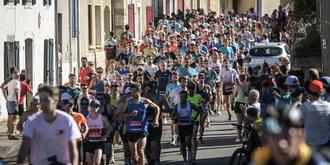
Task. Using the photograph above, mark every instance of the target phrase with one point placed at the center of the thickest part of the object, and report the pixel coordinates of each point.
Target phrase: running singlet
(197, 100)
(84, 72)
(184, 114)
(99, 86)
(138, 123)
(95, 128)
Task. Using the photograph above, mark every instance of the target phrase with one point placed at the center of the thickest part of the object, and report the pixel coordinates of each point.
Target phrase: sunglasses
(99, 72)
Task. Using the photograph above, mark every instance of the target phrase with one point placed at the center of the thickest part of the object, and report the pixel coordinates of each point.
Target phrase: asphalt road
(219, 144)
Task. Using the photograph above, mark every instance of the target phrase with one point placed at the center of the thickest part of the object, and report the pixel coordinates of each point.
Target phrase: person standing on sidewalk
(11, 94)
(51, 135)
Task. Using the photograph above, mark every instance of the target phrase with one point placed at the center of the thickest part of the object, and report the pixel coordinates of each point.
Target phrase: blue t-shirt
(191, 72)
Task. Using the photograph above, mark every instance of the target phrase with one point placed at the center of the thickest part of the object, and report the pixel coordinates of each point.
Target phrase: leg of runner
(227, 105)
(133, 151)
(89, 158)
(219, 101)
(97, 157)
(108, 152)
(194, 143)
(182, 137)
(202, 126)
(141, 144)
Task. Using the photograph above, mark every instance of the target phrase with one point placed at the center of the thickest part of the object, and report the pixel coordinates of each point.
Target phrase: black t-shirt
(163, 79)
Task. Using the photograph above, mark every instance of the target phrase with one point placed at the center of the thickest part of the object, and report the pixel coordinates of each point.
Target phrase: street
(217, 148)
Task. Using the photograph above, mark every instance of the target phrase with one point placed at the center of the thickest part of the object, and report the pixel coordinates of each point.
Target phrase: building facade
(27, 41)
(261, 7)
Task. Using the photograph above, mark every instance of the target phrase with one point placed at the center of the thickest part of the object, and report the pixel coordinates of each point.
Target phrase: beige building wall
(245, 5)
(269, 6)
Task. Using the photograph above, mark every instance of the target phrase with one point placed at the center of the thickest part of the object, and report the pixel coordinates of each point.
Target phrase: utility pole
(325, 35)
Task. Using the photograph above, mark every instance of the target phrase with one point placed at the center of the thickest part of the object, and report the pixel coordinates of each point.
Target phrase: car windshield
(269, 51)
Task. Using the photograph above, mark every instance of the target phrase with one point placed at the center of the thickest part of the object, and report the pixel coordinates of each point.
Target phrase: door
(29, 59)
(106, 22)
(131, 18)
(29, 65)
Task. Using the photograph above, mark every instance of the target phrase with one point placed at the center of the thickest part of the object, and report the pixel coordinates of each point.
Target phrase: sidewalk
(8, 148)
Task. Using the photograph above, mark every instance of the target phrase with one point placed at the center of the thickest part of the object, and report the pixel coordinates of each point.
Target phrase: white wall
(22, 22)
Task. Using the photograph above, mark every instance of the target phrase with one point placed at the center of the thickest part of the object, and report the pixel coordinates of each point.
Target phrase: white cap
(65, 96)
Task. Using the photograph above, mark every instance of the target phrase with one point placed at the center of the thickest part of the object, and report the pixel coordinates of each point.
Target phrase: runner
(229, 77)
(32, 109)
(240, 100)
(137, 123)
(51, 135)
(96, 86)
(182, 113)
(196, 100)
(205, 91)
(173, 99)
(153, 148)
(99, 130)
(67, 105)
(110, 47)
(72, 86)
(85, 73)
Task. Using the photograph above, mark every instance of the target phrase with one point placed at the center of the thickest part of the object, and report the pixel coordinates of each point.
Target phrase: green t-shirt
(196, 100)
(257, 125)
(74, 91)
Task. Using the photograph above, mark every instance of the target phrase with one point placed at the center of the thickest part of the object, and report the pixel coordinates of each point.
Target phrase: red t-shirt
(24, 89)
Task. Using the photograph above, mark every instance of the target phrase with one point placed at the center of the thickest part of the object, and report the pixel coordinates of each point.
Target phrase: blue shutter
(5, 60)
(16, 48)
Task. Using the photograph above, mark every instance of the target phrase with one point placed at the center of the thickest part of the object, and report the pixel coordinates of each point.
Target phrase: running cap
(291, 80)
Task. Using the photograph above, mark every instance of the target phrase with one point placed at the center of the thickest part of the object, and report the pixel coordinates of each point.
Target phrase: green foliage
(305, 9)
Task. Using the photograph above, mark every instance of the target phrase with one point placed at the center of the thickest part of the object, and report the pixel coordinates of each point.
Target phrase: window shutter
(16, 2)
(34, 2)
(46, 71)
(51, 61)
(6, 62)
(49, 2)
(23, 2)
(5, 2)
(45, 2)
(16, 48)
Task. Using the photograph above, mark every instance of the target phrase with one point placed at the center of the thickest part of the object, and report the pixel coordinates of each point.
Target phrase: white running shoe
(164, 121)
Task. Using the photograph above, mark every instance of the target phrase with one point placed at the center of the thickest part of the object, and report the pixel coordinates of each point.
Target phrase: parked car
(271, 53)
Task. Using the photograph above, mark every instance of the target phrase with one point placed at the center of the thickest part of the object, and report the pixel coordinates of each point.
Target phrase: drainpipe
(78, 35)
(70, 35)
(58, 81)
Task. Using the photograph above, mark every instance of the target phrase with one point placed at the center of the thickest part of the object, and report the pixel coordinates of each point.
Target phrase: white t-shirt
(12, 86)
(228, 76)
(51, 140)
(151, 69)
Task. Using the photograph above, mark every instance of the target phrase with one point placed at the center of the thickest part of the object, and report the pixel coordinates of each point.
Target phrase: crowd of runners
(189, 66)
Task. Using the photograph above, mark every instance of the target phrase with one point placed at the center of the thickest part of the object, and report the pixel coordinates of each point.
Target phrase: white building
(27, 39)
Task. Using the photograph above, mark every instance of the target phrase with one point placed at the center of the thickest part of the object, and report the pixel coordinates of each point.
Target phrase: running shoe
(164, 120)
(229, 117)
(208, 124)
(201, 140)
(13, 137)
(112, 160)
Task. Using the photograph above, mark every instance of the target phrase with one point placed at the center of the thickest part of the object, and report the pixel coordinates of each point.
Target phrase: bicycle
(241, 156)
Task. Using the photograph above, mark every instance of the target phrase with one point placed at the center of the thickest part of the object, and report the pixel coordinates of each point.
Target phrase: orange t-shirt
(79, 118)
(173, 48)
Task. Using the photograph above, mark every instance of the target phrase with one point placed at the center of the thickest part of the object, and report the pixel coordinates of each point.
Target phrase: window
(98, 30)
(47, 2)
(90, 27)
(11, 56)
(269, 51)
(29, 2)
(10, 2)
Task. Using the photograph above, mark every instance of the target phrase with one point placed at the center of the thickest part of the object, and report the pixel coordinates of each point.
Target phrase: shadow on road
(208, 161)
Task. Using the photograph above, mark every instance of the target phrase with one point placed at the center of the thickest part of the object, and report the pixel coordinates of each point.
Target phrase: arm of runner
(86, 129)
(174, 115)
(107, 126)
(91, 86)
(122, 109)
(73, 152)
(199, 110)
(24, 149)
(156, 108)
